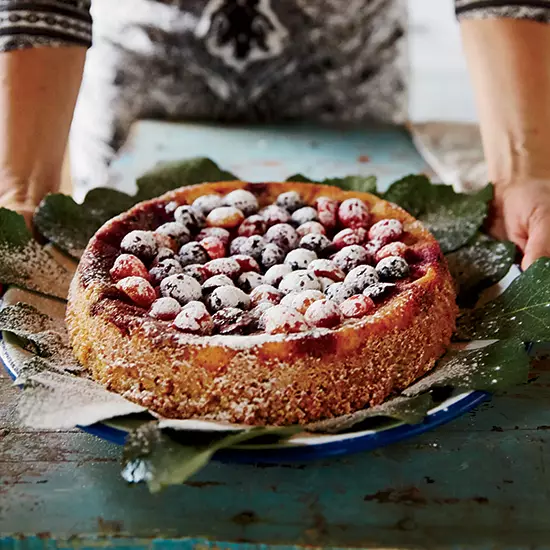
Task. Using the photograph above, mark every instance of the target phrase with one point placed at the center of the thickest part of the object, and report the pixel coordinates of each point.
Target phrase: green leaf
(362, 184)
(478, 265)
(300, 178)
(522, 310)
(13, 230)
(493, 368)
(153, 456)
(453, 218)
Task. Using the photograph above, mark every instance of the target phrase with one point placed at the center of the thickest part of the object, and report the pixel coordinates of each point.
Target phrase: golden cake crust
(259, 379)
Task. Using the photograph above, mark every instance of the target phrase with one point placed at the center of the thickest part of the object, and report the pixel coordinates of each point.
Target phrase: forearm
(507, 59)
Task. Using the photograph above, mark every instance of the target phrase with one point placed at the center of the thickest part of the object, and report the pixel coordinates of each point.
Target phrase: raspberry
(299, 280)
(354, 213)
(300, 258)
(257, 314)
(222, 266)
(138, 289)
(164, 269)
(326, 268)
(356, 306)
(228, 296)
(265, 293)
(347, 237)
(163, 254)
(271, 255)
(175, 231)
(338, 292)
(165, 309)
(236, 244)
(378, 290)
(274, 214)
(253, 246)
(386, 231)
(190, 218)
(315, 242)
(323, 314)
(196, 271)
(214, 247)
(194, 319)
(192, 253)
(283, 235)
(300, 301)
(227, 217)
(182, 288)
(215, 282)
(128, 265)
(244, 200)
(254, 225)
(141, 244)
(308, 228)
(361, 277)
(392, 249)
(249, 280)
(290, 201)
(246, 263)
(283, 320)
(207, 203)
(327, 212)
(350, 257)
(218, 232)
(274, 275)
(392, 267)
(303, 215)
(372, 248)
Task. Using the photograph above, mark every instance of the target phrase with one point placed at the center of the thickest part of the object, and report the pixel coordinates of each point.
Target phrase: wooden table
(482, 480)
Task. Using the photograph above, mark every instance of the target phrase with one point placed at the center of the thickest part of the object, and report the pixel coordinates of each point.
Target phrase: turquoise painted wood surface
(482, 481)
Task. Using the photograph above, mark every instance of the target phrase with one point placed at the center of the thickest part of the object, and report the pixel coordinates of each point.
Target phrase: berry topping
(327, 211)
(163, 254)
(350, 257)
(194, 319)
(249, 280)
(190, 218)
(254, 225)
(236, 244)
(308, 228)
(392, 267)
(348, 236)
(323, 313)
(207, 203)
(272, 255)
(326, 268)
(182, 288)
(192, 253)
(215, 248)
(283, 235)
(274, 275)
(165, 309)
(354, 213)
(290, 201)
(371, 248)
(128, 265)
(300, 258)
(218, 232)
(222, 266)
(196, 271)
(215, 282)
(300, 301)
(170, 207)
(283, 320)
(244, 200)
(274, 214)
(356, 306)
(253, 246)
(265, 293)
(392, 249)
(304, 214)
(174, 230)
(227, 217)
(361, 277)
(246, 263)
(232, 320)
(338, 292)
(298, 281)
(228, 296)
(325, 283)
(141, 244)
(164, 269)
(378, 290)
(164, 241)
(386, 231)
(138, 289)
(316, 242)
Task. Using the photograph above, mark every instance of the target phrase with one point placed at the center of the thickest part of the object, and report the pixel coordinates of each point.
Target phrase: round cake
(261, 303)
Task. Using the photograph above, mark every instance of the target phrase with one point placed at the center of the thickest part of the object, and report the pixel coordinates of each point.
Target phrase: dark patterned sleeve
(35, 23)
(535, 10)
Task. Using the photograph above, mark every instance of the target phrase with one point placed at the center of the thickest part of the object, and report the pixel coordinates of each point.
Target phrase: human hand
(522, 215)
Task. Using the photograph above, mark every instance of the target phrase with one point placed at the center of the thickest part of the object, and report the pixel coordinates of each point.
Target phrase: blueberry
(361, 277)
(316, 242)
(215, 282)
(253, 246)
(338, 292)
(290, 200)
(378, 290)
(272, 255)
(392, 267)
(304, 214)
(193, 253)
(164, 269)
(189, 217)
